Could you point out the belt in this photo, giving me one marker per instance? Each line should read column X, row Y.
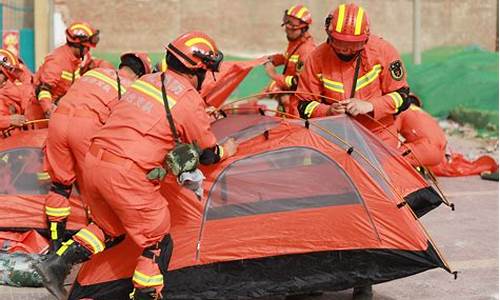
column 104, row 155
column 75, row 112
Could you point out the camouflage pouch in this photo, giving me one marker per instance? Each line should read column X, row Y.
column 183, row 158
column 157, row 174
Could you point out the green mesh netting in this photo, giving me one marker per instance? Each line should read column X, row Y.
column 458, row 82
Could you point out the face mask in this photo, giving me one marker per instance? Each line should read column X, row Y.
column 346, row 58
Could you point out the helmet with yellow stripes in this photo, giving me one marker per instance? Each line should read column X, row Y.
column 82, row 33
column 144, row 67
column 299, row 12
column 9, row 64
column 196, row 50
column 349, row 23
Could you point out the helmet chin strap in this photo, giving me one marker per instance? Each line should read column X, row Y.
column 200, row 77
column 82, row 56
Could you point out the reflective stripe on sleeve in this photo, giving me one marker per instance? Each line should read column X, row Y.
column 91, row 239
column 57, row 211
column 310, row 108
column 397, row 99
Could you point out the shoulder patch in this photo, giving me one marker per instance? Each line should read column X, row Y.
column 397, row 70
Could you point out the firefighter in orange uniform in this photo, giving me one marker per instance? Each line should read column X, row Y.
column 425, row 141
column 80, row 113
column 296, row 21
column 11, row 95
column 61, row 67
column 120, row 186
column 362, row 72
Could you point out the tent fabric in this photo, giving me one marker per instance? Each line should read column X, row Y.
column 255, row 216
column 27, row 242
column 217, row 88
column 278, row 275
column 457, row 165
column 290, row 196
column 24, row 185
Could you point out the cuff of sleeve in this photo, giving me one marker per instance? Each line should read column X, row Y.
column 321, row 110
column 44, row 95
column 386, row 105
column 280, row 82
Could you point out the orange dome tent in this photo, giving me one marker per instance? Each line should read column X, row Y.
column 298, row 209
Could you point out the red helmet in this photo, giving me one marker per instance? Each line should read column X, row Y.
column 83, row 34
column 143, row 57
column 196, row 50
column 299, row 12
column 349, row 23
column 9, row 64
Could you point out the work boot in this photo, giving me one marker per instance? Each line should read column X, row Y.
column 56, row 233
column 57, row 266
column 362, row 293
column 144, row 294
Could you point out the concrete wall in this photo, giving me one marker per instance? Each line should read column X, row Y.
column 252, row 27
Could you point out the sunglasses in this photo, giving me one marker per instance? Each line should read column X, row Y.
column 287, row 22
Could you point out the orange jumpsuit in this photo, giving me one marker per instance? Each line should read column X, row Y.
column 327, row 75
column 134, row 140
column 54, row 77
column 424, row 137
column 81, row 112
column 14, row 98
column 293, row 59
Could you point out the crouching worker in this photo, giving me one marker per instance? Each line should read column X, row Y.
column 81, row 112
column 159, row 122
column 425, row 141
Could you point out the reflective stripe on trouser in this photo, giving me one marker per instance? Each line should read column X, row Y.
column 123, row 201
column 56, row 230
column 57, row 207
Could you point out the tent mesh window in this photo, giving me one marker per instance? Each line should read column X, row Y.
column 278, row 181
column 348, row 131
column 242, row 127
column 21, row 172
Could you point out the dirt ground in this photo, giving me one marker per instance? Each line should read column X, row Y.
column 468, row 238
